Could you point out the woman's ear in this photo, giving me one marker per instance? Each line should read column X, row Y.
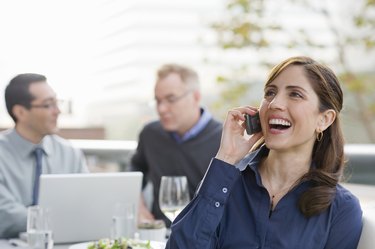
column 326, row 119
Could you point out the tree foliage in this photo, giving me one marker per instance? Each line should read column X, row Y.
column 252, row 26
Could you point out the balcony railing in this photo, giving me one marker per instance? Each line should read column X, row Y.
column 106, row 155
column 114, row 155
column 361, row 163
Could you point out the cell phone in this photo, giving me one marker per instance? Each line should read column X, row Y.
column 252, row 123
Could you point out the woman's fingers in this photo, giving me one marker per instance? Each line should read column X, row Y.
column 239, row 112
column 234, row 144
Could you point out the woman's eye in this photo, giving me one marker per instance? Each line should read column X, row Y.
column 296, row 95
column 269, row 93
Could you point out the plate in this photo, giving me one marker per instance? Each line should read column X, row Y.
column 154, row 245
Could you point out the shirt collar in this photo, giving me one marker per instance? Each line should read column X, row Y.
column 196, row 129
column 252, row 162
column 252, row 159
column 26, row 147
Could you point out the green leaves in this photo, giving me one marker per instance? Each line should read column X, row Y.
column 122, row 243
column 248, row 27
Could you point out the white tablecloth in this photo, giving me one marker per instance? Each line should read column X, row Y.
column 4, row 244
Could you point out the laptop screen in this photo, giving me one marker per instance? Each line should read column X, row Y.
column 81, row 205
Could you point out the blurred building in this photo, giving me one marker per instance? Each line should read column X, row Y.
column 134, row 38
column 101, row 55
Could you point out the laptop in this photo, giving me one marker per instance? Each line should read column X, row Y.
column 81, row 205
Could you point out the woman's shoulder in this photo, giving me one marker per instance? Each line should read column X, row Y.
column 345, row 199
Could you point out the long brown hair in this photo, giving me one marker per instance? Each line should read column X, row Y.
column 328, row 153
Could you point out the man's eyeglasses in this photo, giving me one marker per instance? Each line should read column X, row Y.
column 170, row 100
column 49, row 105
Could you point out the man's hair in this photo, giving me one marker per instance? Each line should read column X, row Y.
column 17, row 91
column 188, row 75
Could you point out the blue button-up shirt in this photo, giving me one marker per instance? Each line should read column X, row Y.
column 232, row 210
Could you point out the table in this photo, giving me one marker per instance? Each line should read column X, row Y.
column 4, row 244
column 146, row 234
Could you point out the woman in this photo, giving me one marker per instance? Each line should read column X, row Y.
column 285, row 194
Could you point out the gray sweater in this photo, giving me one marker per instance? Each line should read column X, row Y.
column 158, row 154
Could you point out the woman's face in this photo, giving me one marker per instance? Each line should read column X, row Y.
column 289, row 111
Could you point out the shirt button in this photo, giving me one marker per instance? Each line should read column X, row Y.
column 225, row 190
column 217, row 204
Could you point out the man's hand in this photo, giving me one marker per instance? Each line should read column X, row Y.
column 143, row 213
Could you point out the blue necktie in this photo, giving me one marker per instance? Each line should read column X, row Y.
column 38, row 153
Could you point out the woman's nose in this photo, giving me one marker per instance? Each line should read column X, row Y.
column 278, row 102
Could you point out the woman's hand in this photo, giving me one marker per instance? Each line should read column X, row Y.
column 234, row 143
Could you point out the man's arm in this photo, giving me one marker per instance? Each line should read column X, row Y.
column 82, row 162
column 143, row 213
column 13, row 215
column 139, row 163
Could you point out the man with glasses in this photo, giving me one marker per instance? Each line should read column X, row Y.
column 30, row 149
column 182, row 141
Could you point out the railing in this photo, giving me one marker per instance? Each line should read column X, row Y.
column 114, row 155
column 361, row 163
column 106, row 155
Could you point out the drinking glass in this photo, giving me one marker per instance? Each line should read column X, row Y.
column 173, row 195
column 39, row 233
column 123, row 221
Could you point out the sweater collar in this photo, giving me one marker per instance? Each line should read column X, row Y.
column 196, row 129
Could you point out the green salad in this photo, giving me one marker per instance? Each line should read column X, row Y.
column 119, row 244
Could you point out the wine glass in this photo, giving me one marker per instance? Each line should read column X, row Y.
column 173, row 195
